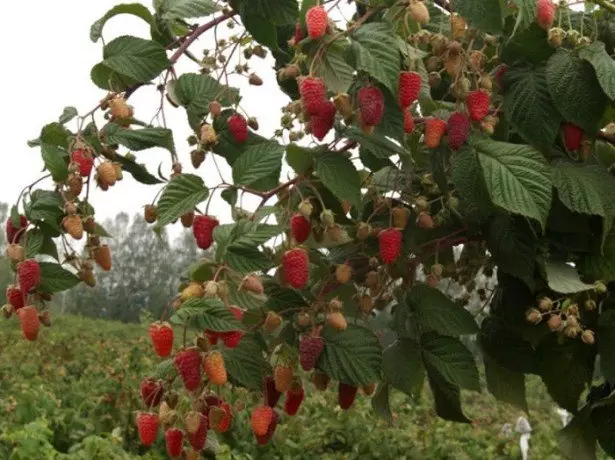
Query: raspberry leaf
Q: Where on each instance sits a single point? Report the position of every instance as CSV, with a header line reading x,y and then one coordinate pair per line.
x,y
381,402
484,14
299,158
257,162
340,176
139,139
180,196
280,12
332,66
245,364
506,385
54,278
186,9
209,314
603,65
606,331
135,9
600,266
56,161
34,239
578,438
138,172
564,279
403,367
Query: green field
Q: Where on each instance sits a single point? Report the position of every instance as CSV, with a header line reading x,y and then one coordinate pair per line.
x,y
72,394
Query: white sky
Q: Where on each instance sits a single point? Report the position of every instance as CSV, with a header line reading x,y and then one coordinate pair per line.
x,y
47,67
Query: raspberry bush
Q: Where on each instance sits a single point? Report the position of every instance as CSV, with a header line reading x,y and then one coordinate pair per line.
x,y
428,148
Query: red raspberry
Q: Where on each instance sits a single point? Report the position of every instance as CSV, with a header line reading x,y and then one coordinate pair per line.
x,y
174,438
84,161
296,268
313,93
262,417
294,398
151,391
203,230
28,274
262,440
272,395
225,417
300,228
408,122
316,21
30,324
238,127
147,426
389,242
212,337
322,122
14,234
545,13
198,439
434,130
346,394
310,349
458,130
478,104
371,105
15,297
573,136
298,33
162,338
188,365
232,339
409,87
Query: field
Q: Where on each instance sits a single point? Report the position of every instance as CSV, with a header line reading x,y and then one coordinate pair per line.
x,y
72,394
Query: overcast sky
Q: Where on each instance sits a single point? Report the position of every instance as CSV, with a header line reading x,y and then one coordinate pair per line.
x,y
47,60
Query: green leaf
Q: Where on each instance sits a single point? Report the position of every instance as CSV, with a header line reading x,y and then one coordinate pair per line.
x,y
261,28
180,196
603,65
577,440
528,106
606,344
299,158
246,260
485,15
139,139
280,12
53,134
502,342
380,403
46,206
333,68
108,79
186,9
339,175
529,45
136,9
436,312
516,176
352,356
164,370
447,398
575,89
34,242
596,267
100,231
403,368
379,146
257,162
209,314
526,14
138,59
56,161
67,115
49,247
466,174
564,279
54,278
513,246
138,172
448,358
506,385
245,364
376,52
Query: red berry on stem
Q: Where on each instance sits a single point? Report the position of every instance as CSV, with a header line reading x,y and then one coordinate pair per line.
x,y
458,130
573,136
545,13
322,122
346,395
409,87
272,395
316,21
389,241
28,275
408,121
147,426
294,398
189,367
310,349
300,228
313,93
13,233
151,391
296,268
238,127
203,230
173,438
29,322
162,338
371,105
84,161
478,102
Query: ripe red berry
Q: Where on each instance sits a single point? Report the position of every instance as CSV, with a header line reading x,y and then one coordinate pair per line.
x,y
151,391
231,339
262,440
458,130
147,426
298,33
371,105
212,337
322,122
573,136
545,13
198,439
15,297
213,364
478,104
14,234
310,349
162,338
409,87
300,228
84,161
272,395
30,324
316,21
313,93
173,438
408,122
188,366
294,398
203,230
238,127
389,242
28,275
261,419
346,394
434,130
296,268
